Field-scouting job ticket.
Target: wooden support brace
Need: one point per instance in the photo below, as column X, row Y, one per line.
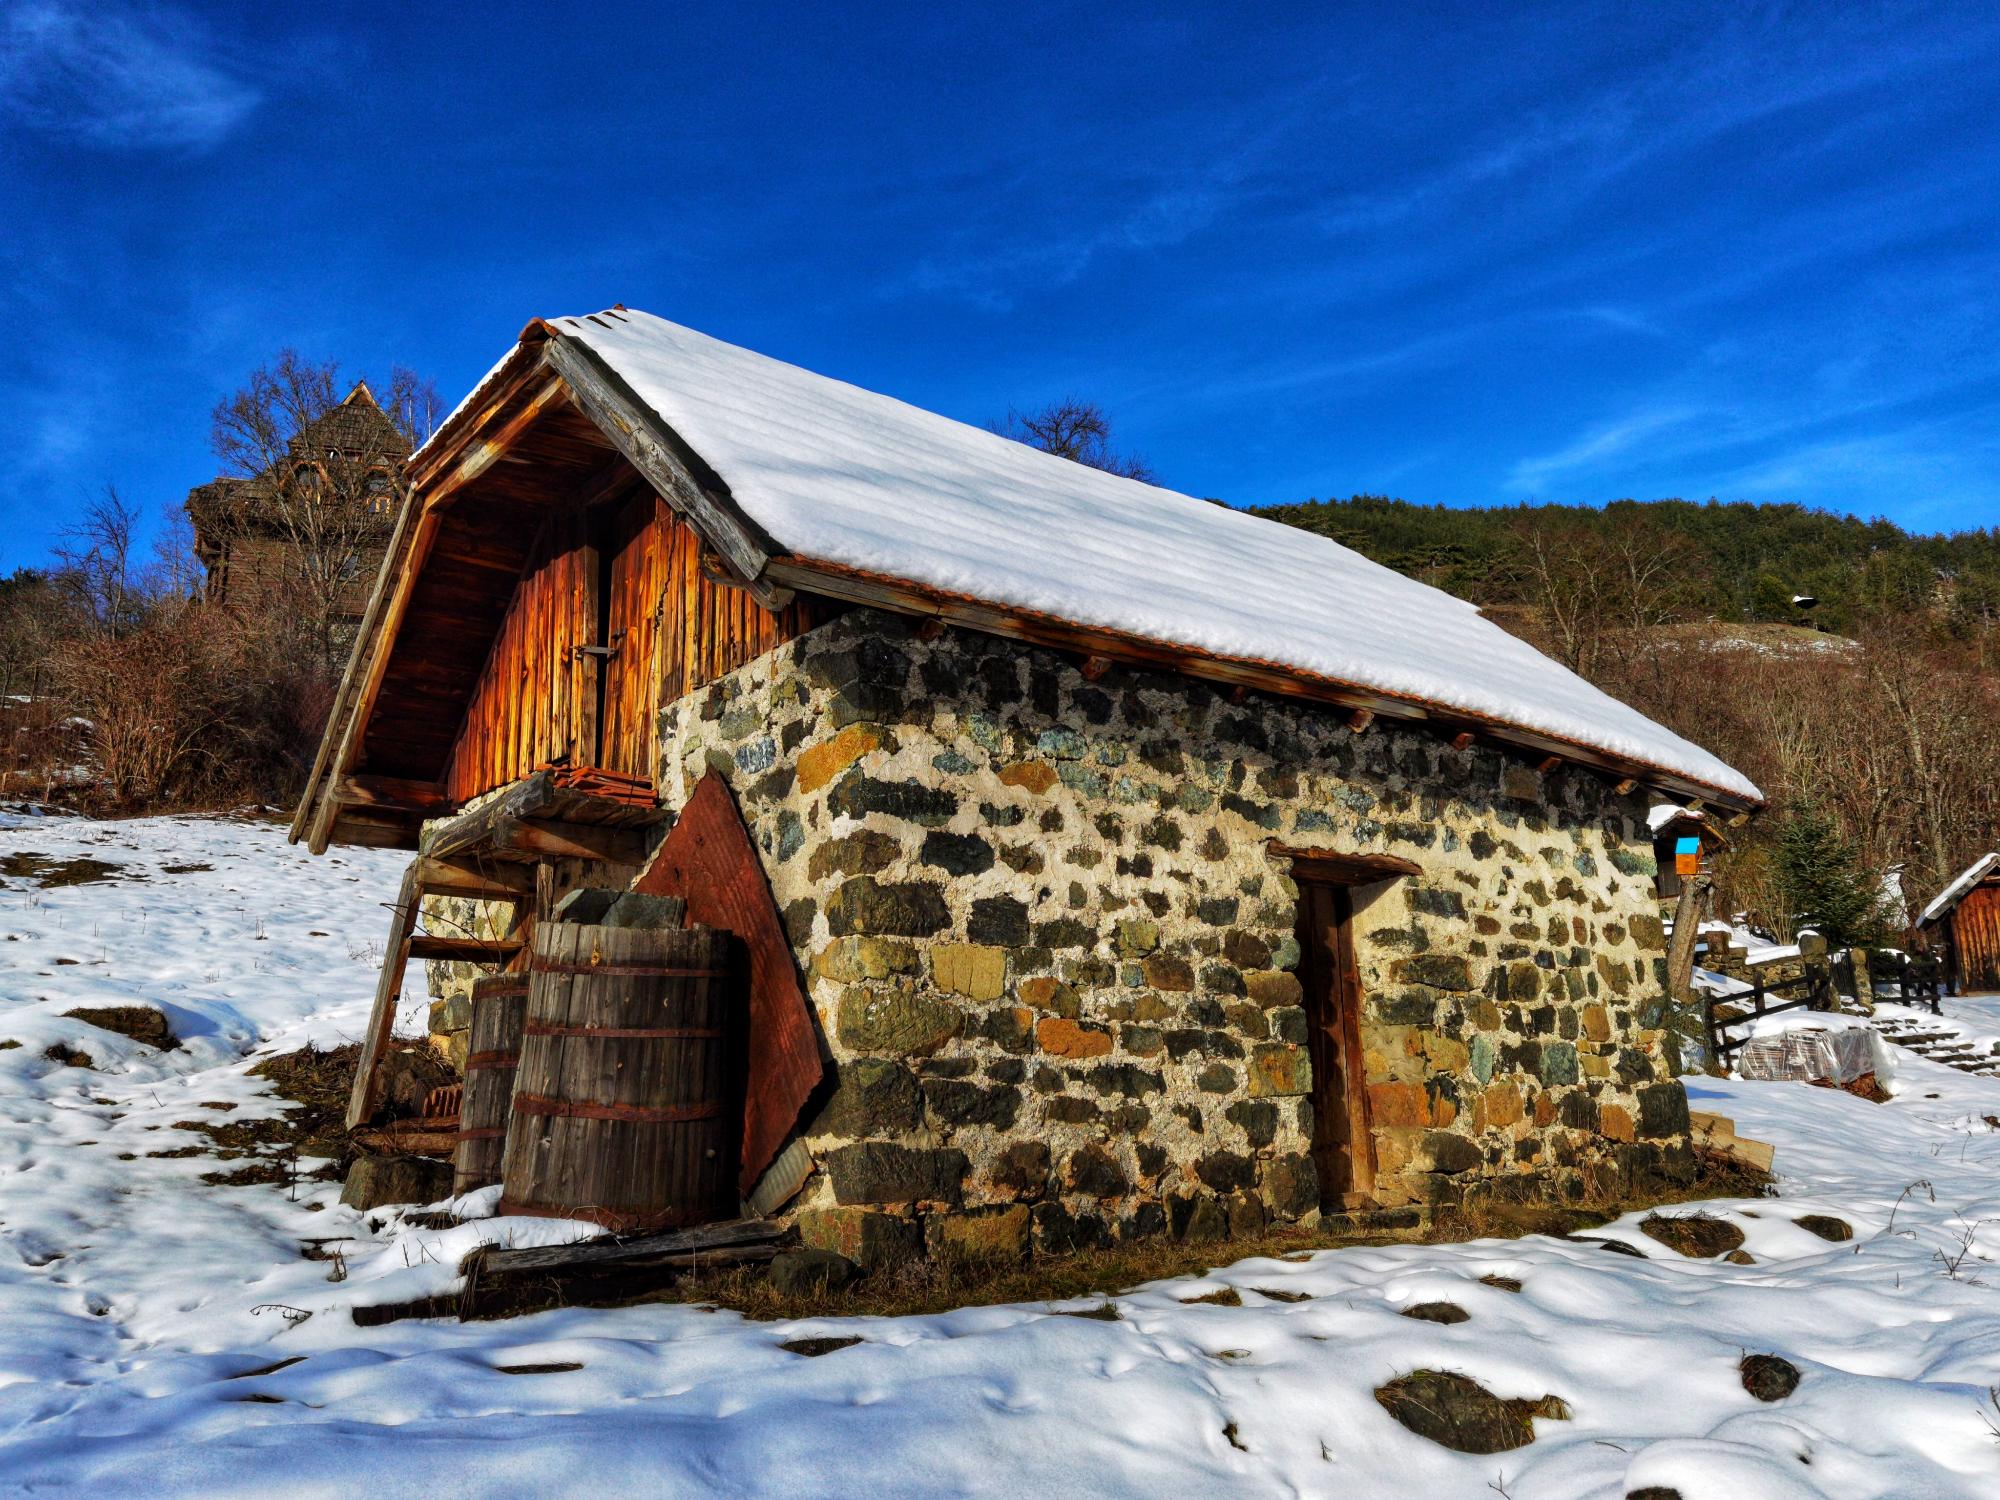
column 1360, row 719
column 931, row 628
column 1095, row 667
column 392, row 793
column 553, row 839
column 1550, row 764
column 462, row 950
column 1624, row 788
column 1463, row 740
column 481, row 881
column 388, row 987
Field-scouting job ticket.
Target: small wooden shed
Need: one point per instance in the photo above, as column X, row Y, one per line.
column 1963, row 922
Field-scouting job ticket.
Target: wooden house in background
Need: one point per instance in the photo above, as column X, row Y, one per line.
column 351, row 457
column 1962, row 925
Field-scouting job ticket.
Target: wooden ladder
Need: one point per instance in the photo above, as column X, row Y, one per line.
column 427, row 877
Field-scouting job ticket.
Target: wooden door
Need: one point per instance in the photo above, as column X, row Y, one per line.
column 634, row 594
column 1343, row 1150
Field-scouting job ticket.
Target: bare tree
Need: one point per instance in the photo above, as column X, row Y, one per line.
column 414, row 405
column 1077, row 430
column 326, row 491
column 1601, row 595
column 95, row 565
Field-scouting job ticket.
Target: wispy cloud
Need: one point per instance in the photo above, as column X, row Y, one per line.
column 1594, row 449
column 116, row 78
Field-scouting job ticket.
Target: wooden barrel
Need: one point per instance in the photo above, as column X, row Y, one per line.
column 493, row 1048
column 628, row 1104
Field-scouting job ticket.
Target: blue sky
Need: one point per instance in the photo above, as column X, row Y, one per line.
column 1473, row 255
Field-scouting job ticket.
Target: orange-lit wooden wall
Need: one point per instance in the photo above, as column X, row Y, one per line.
column 626, row 574
column 1975, row 937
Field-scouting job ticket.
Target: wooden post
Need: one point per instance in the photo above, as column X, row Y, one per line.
column 1864, row 981
column 388, row 988
column 1680, row 960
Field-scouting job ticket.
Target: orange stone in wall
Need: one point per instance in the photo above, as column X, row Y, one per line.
column 1067, row 1039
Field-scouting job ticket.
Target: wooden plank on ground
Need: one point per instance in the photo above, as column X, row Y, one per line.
column 601, row 1271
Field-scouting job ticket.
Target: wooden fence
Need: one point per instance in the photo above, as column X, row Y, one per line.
column 1812, row 990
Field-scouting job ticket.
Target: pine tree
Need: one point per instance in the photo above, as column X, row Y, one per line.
column 1822, row 881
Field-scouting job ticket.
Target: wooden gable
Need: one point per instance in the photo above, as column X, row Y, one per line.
column 539, row 604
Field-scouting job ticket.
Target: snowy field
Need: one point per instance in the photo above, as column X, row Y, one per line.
column 137, row 1304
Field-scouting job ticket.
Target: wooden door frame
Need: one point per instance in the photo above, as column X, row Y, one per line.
column 1341, row 875
column 1333, row 1006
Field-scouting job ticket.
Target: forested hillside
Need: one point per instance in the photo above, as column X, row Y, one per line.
column 1742, row 562
column 1876, row 708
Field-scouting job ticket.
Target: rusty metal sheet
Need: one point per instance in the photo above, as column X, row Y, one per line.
column 709, row 861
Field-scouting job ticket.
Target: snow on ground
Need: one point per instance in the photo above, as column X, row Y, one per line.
column 130, row 1335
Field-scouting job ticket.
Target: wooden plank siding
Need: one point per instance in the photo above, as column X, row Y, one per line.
column 520, row 713
column 625, row 575
column 1975, row 932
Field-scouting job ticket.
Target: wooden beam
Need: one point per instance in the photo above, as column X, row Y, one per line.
column 494, row 1261
column 461, row 950
column 422, row 1137
column 1094, row 666
column 480, row 456
column 459, row 433
column 1344, row 869
column 834, row 582
column 388, row 987
column 669, row 464
column 375, row 830
column 554, row 839
column 1463, row 740
column 1550, row 764
column 1360, row 719
column 394, row 793
column 464, row 877
column 351, row 675
column 1624, row 787
column 504, row 1281
column 718, row 572
column 422, row 537
column 536, row 820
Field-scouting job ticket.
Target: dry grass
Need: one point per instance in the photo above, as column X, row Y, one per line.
column 318, row 1083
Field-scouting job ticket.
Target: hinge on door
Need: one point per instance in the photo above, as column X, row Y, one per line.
column 603, row 652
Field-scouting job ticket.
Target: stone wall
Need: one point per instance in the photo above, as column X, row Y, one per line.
column 450, row 984
column 1053, row 955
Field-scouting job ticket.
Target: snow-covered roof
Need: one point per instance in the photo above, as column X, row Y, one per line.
column 1660, row 814
column 836, row 475
column 1950, row 896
